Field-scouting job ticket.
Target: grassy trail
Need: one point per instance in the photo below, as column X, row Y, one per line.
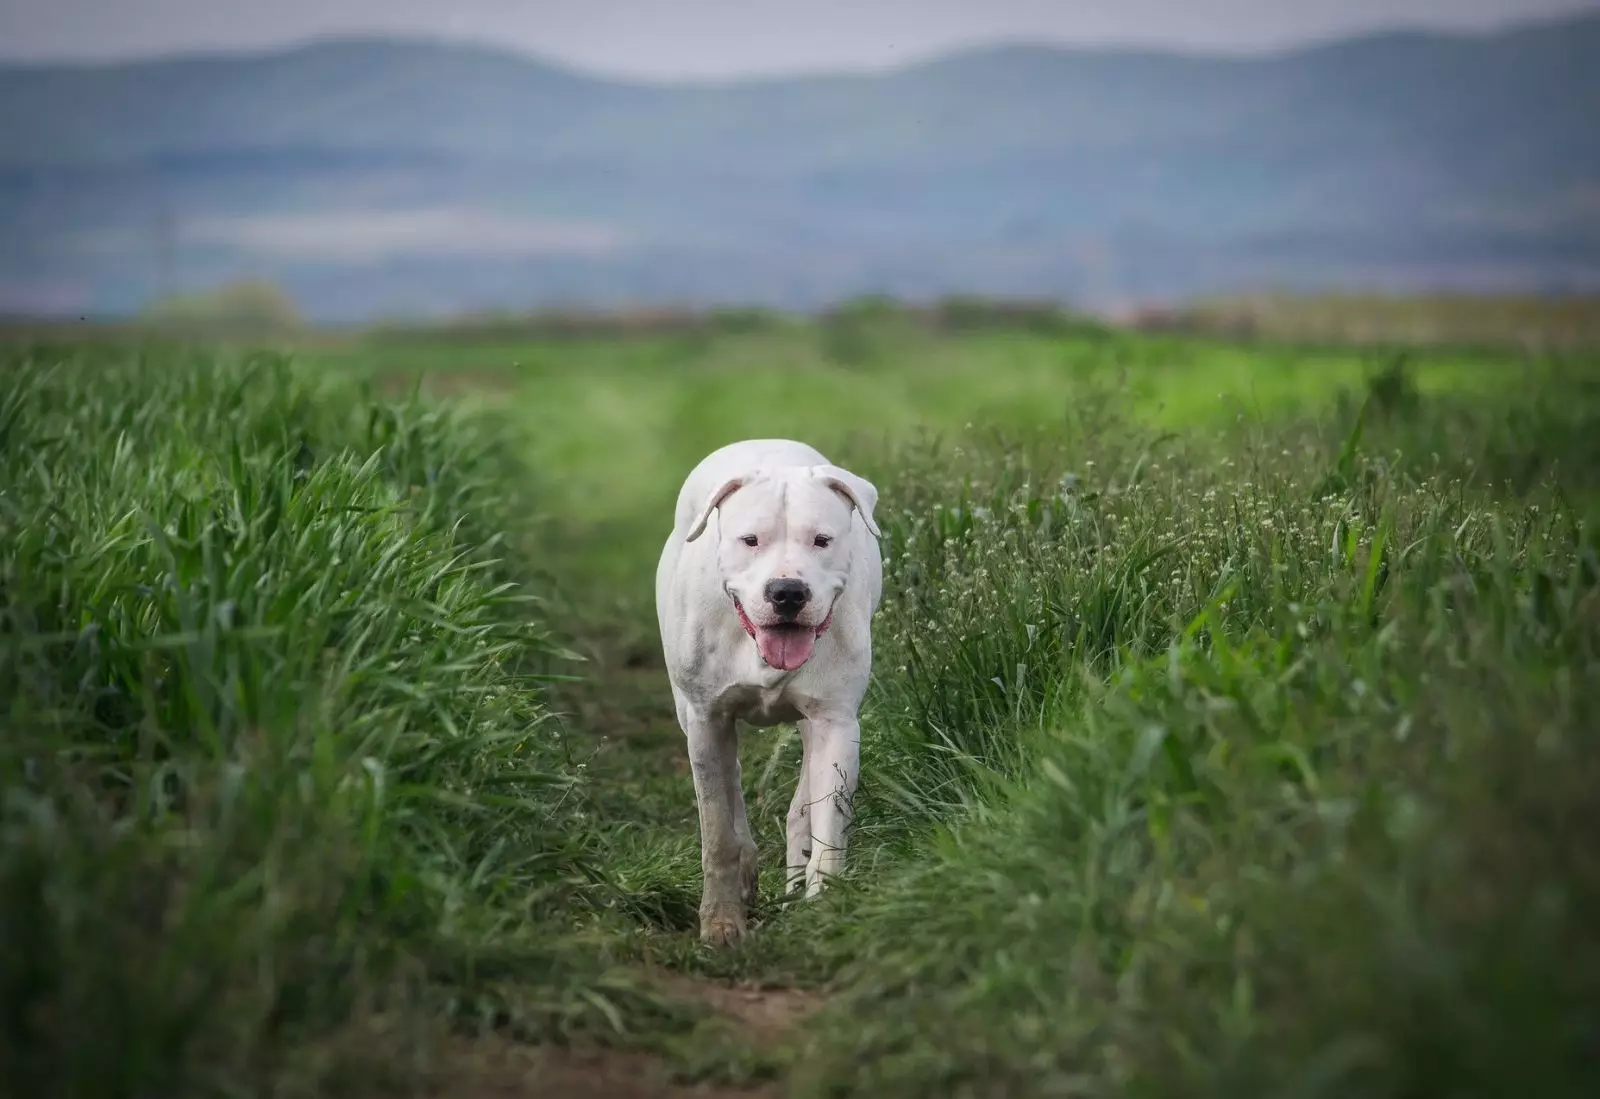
column 1232, row 728
column 603, row 557
column 602, row 548
column 749, row 1007
column 637, row 763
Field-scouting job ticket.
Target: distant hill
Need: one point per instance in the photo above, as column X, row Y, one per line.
column 377, row 176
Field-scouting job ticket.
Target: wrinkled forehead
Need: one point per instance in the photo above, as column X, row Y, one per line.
column 787, row 499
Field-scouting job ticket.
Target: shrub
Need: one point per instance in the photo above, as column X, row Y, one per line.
column 275, row 758
column 1252, row 770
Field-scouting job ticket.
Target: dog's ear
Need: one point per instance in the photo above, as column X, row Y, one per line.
column 729, row 487
column 859, row 491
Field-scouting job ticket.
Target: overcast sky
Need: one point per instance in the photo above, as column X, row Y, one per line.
column 696, row 39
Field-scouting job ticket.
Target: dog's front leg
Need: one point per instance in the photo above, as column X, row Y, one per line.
column 833, row 765
column 714, row 761
column 798, row 824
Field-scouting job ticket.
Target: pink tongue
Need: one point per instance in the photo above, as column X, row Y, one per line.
column 786, row 649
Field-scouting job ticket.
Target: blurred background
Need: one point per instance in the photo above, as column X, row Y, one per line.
column 376, row 159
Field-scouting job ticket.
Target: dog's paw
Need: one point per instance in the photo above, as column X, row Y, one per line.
column 723, row 928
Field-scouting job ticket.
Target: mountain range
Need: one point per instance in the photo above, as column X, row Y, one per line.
column 386, row 177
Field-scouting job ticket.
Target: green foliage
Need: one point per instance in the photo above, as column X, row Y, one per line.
column 1231, row 730
column 1458, row 320
column 273, row 749
column 1239, row 784
column 249, row 305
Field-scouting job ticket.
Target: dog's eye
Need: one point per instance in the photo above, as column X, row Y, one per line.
column 749, row 539
column 821, row 541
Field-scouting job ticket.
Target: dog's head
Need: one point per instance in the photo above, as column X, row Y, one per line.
column 783, row 551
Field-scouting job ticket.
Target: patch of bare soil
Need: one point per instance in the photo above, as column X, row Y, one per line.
column 497, row 1068
column 767, row 1015
column 494, row 1066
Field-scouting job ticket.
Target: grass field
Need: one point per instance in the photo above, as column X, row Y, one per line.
column 1527, row 323
column 1233, row 729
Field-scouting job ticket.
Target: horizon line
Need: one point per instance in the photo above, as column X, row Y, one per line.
column 1104, row 48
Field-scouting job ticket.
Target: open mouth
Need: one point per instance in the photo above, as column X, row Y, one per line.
column 784, row 645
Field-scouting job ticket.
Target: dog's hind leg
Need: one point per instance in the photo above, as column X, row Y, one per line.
column 798, row 850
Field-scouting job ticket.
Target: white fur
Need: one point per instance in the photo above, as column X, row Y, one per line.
column 785, row 494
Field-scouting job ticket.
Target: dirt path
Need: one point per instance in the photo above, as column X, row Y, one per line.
column 622, row 708
column 763, row 1017
column 497, row 1066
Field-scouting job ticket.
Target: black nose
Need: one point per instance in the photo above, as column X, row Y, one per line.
column 787, row 596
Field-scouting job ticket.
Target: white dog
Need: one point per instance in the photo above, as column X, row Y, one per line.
column 767, row 618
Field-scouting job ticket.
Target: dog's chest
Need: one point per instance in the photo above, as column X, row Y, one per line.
column 758, row 705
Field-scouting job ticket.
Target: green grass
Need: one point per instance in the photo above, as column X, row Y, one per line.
column 275, row 748
column 1286, row 768
column 1233, row 725
column 1570, row 323
column 619, row 422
